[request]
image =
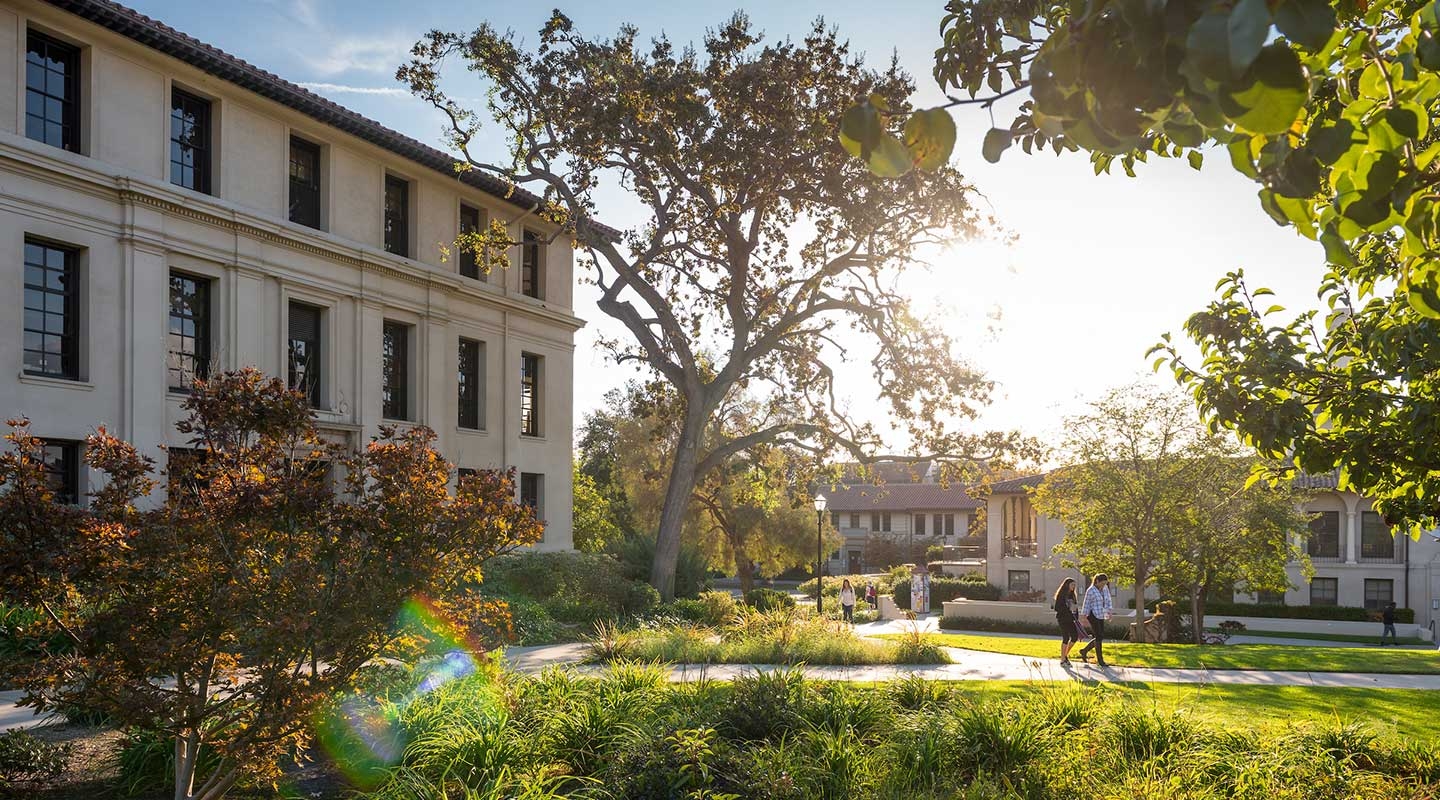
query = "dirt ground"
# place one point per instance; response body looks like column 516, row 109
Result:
column 93, row 773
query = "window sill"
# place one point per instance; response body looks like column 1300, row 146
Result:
column 57, row 383
column 528, row 437
column 472, row 431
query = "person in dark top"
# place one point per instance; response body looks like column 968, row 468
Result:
column 1387, row 617
column 1066, row 611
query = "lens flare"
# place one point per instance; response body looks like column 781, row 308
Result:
column 363, row 732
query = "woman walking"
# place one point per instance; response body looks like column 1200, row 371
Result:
column 847, row 601
column 1097, row 608
column 1067, row 612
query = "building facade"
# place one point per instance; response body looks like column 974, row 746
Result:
column 1355, row 558
column 168, row 210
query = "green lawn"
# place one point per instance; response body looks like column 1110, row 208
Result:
column 1297, row 658
column 1408, row 712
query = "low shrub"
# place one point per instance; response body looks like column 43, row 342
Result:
column 1232, row 626
column 768, row 599
column 146, row 763
column 934, row 552
column 765, row 705
column 533, row 624
column 988, row 625
column 636, row 554
column 27, row 761
column 720, row 607
column 573, row 588
column 831, row 588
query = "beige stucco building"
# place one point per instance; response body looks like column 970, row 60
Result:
column 1356, row 560
column 167, row 209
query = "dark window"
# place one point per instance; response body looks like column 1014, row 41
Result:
column 304, row 367
column 531, row 491
column 1019, row 580
column 304, row 183
column 469, row 259
column 885, row 522
column 1324, row 591
column 189, row 355
column 1376, row 540
column 1270, row 598
column 52, row 343
column 529, row 394
column 1325, row 535
column 397, row 216
column 465, row 472
column 949, row 524
column 874, row 520
column 52, row 92
column 395, row 370
column 62, row 467
column 531, row 264
column 835, row 520
column 189, row 141
column 1378, row 593
column 920, row 525
column 471, row 384
column 855, row 521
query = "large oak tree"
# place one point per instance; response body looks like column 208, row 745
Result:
column 766, row 254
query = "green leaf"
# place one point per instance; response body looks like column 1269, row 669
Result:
column 1275, row 90
column 1308, row 23
column 996, row 141
column 1246, row 29
column 1207, row 45
column 1196, row 158
column 1408, row 120
column 860, row 130
column 890, row 159
column 930, row 136
column 1429, row 17
column 1427, row 50
column 1336, row 251
column 1423, row 288
column 1332, row 141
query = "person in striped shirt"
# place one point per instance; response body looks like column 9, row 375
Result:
column 1097, row 608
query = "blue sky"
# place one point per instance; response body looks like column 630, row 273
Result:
column 1099, row 268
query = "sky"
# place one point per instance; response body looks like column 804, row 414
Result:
column 1098, row 267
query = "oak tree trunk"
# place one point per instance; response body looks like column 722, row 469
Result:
column 677, row 502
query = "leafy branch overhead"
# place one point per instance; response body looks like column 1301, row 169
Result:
column 1326, row 105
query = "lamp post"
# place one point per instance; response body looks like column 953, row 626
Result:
column 819, row 547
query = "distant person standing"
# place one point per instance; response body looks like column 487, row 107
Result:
column 871, row 596
column 1387, row 617
column 847, row 601
column 1098, row 607
column 1067, row 613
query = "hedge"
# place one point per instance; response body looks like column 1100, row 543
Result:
column 1282, row 611
column 1279, row 610
column 988, row 625
column 943, row 589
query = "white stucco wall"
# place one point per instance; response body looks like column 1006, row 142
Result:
column 114, row 203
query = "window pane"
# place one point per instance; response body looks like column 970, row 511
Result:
column 395, row 371
column 49, row 318
column 304, row 351
column 470, row 384
column 189, row 357
column 189, row 141
column 397, row 216
column 304, row 183
column 529, row 395
column 52, row 104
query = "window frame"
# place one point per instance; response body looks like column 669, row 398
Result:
column 532, row 264
column 395, row 225
column 69, row 313
column 71, row 138
column 299, row 212
column 314, row 390
column 470, row 414
column 1010, row 580
column 531, row 490
column 395, row 400
column 1369, row 550
column 918, row 524
column 1333, row 591
column 469, row 260
column 67, row 474
column 203, row 166
column 1376, row 583
column 200, row 358
column 531, row 370
column 1319, row 521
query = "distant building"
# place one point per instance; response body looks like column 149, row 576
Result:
column 169, row 210
column 1357, row 561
